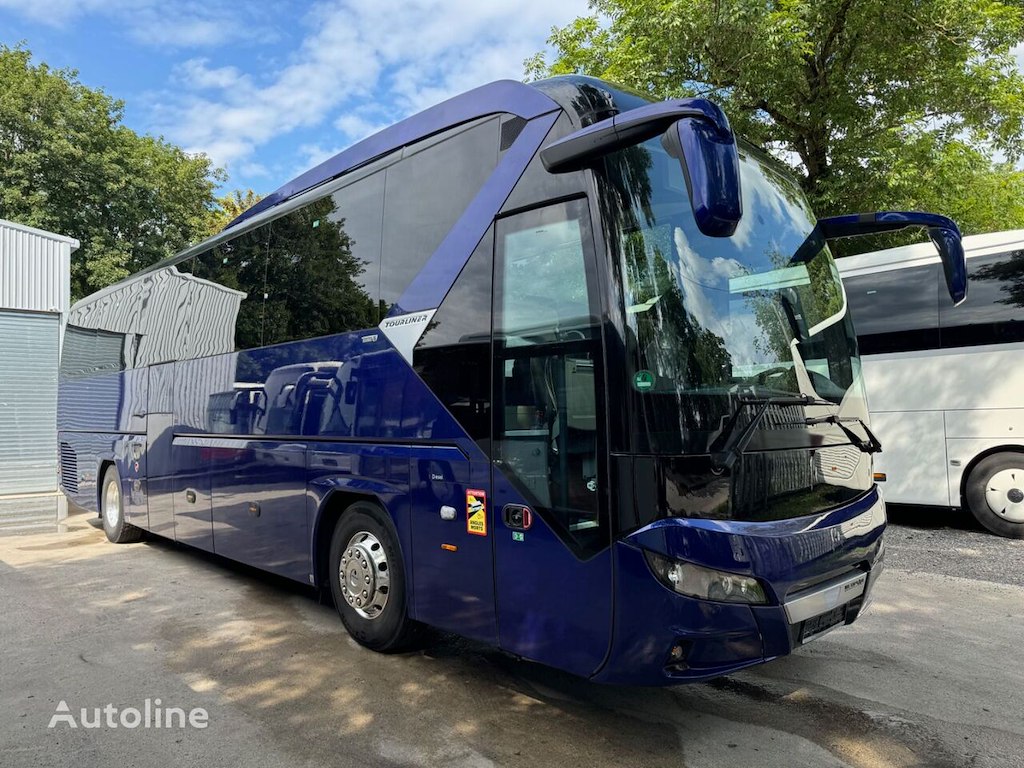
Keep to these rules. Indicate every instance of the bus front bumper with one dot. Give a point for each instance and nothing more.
(819, 574)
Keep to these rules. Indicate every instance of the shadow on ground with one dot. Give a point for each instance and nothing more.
(932, 518)
(269, 649)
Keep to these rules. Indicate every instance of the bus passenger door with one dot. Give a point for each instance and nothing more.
(549, 511)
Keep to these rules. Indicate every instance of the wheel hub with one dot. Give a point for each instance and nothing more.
(1004, 494)
(364, 574)
(112, 504)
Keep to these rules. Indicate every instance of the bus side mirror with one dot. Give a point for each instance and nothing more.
(790, 301)
(954, 262)
(943, 233)
(694, 131)
(711, 167)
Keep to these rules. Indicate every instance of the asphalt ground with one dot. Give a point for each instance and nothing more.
(929, 676)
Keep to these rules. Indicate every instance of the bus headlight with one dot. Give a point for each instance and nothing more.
(705, 583)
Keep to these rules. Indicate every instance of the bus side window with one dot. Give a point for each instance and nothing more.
(453, 356)
(547, 350)
(993, 312)
(425, 194)
(319, 280)
(895, 311)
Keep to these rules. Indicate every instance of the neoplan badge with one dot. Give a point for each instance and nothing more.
(476, 512)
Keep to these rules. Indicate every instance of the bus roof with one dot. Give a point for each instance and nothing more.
(585, 99)
(500, 96)
(925, 253)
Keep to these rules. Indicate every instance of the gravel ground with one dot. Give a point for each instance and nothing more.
(951, 543)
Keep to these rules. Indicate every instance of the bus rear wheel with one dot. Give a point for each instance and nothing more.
(995, 494)
(118, 530)
(368, 579)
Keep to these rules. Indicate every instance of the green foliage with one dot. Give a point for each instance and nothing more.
(875, 103)
(312, 276)
(230, 206)
(68, 165)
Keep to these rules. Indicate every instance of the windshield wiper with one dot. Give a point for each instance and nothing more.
(732, 441)
(868, 445)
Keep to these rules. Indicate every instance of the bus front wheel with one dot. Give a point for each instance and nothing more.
(118, 530)
(368, 579)
(995, 494)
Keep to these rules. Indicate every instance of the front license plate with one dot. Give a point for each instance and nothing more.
(815, 625)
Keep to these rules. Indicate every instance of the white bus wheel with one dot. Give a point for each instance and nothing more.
(995, 494)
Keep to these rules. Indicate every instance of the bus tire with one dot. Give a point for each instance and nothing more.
(118, 530)
(995, 493)
(368, 581)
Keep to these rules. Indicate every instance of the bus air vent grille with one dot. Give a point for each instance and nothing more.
(68, 468)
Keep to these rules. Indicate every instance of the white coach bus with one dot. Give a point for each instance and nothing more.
(946, 386)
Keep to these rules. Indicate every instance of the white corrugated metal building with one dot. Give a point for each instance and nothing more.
(35, 288)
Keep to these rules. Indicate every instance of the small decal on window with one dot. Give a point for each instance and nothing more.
(643, 380)
(476, 512)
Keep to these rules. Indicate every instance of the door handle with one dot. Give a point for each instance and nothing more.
(190, 496)
(517, 517)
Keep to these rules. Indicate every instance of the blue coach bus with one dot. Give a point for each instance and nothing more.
(549, 366)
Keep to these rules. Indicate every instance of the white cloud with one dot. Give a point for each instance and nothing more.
(314, 154)
(254, 170)
(55, 12)
(356, 57)
(181, 24)
(354, 126)
(195, 74)
(407, 55)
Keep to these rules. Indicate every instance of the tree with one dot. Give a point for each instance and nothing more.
(229, 207)
(875, 103)
(69, 166)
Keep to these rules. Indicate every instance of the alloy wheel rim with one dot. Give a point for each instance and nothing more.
(112, 503)
(364, 575)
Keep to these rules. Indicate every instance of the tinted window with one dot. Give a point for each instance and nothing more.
(359, 211)
(895, 311)
(548, 415)
(426, 193)
(453, 356)
(230, 285)
(994, 310)
(314, 281)
(89, 351)
(537, 185)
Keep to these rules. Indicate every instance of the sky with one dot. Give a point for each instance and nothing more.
(268, 90)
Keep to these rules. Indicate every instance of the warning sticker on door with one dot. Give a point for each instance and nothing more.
(476, 512)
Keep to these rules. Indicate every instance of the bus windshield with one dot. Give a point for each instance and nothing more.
(761, 313)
